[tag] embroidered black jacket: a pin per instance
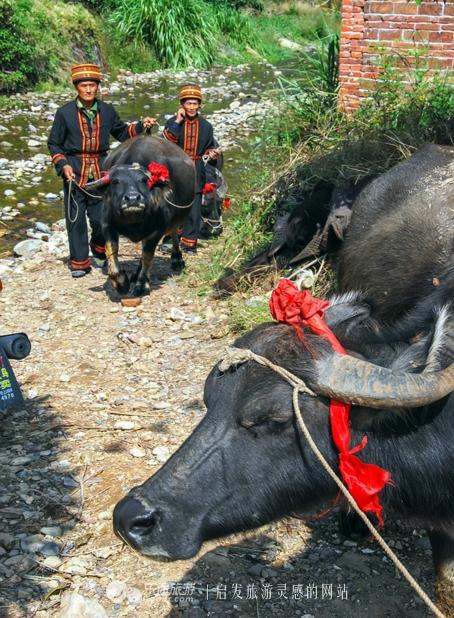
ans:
(195, 137)
(73, 141)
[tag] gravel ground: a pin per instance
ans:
(110, 393)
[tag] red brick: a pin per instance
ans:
(406, 8)
(449, 8)
(430, 8)
(379, 7)
(389, 35)
(441, 37)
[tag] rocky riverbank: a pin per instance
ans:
(236, 101)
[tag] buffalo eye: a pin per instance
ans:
(115, 181)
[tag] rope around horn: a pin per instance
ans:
(236, 356)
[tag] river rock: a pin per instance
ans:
(9, 193)
(43, 227)
(74, 605)
(116, 590)
(27, 248)
(288, 44)
(33, 143)
(51, 196)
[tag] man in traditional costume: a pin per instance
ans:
(194, 135)
(78, 143)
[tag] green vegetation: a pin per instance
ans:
(40, 39)
(309, 140)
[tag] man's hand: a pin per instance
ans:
(213, 153)
(68, 173)
(180, 115)
(149, 122)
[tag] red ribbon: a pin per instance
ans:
(209, 187)
(364, 481)
(158, 173)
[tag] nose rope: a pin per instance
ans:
(237, 356)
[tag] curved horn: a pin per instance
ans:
(97, 184)
(362, 383)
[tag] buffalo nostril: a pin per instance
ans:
(144, 524)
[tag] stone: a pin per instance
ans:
(33, 143)
(27, 248)
(9, 193)
(42, 227)
(116, 590)
(75, 605)
(49, 549)
(136, 451)
(52, 562)
(126, 425)
(32, 544)
(161, 453)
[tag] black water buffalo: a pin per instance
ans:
(141, 212)
(247, 463)
(400, 242)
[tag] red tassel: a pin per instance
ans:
(209, 187)
(158, 173)
(226, 203)
(364, 481)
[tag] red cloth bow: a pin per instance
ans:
(364, 481)
(209, 187)
(158, 173)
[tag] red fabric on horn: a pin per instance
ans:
(364, 481)
(158, 173)
(105, 177)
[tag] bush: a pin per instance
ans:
(16, 50)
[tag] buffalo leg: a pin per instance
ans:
(148, 248)
(442, 542)
(176, 259)
(119, 278)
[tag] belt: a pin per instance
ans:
(90, 155)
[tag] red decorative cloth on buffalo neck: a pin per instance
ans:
(364, 481)
(158, 173)
(209, 187)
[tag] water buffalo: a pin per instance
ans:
(143, 203)
(400, 242)
(247, 464)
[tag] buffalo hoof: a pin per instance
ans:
(121, 283)
(138, 289)
(177, 264)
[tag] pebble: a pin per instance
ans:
(136, 451)
(126, 425)
(50, 549)
(75, 605)
(116, 590)
(52, 562)
(9, 193)
(161, 453)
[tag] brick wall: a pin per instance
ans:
(398, 28)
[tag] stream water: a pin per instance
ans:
(235, 99)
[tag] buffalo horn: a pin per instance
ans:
(97, 184)
(362, 383)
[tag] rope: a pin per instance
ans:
(237, 356)
(210, 222)
(178, 205)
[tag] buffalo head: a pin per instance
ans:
(246, 463)
(129, 195)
